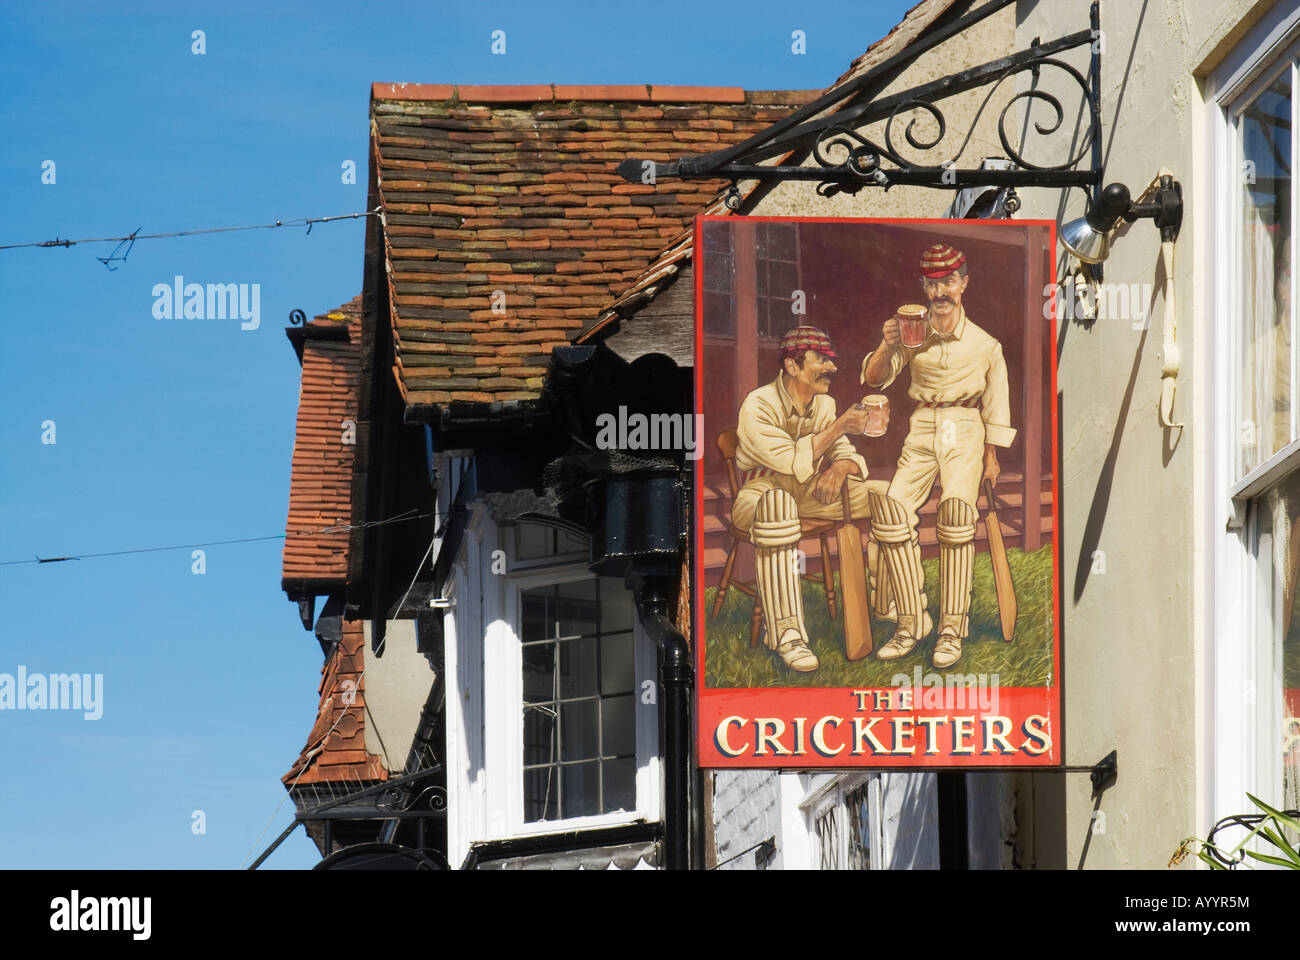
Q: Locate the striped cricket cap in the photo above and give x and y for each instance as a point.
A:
(941, 259)
(796, 341)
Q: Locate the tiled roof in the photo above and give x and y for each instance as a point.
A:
(336, 746)
(320, 486)
(661, 271)
(678, 253)
(514, 189)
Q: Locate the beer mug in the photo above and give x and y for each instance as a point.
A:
(877, 407)
(911, 319)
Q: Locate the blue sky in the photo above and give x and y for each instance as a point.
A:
(180, 431)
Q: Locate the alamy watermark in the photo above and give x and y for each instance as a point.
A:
(55, 691)
(950, 691)
(1076, 299)
(179, 300)
(75, 913)
(655, 431)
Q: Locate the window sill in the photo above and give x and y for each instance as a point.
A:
(536, 828)
(1267, 474)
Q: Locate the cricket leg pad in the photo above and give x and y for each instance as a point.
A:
(775, 535)
(892, 528)
(955, 528)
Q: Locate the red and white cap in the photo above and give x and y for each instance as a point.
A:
(796, 341)
(941, 259)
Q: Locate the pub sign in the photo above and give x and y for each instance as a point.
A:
(877, 550)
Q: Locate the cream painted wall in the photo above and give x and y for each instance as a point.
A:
(1128, 483)
(396, 687)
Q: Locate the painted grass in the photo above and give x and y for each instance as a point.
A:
(729, 661)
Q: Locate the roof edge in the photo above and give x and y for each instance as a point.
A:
(604, 93)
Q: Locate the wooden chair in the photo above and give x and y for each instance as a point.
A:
(727, 443)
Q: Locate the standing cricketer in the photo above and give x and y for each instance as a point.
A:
(963, 414)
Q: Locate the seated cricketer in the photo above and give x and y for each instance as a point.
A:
(793, 458)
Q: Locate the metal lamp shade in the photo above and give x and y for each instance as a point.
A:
(1085, 241)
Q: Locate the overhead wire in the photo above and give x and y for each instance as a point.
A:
(131, 238)
(399, 518)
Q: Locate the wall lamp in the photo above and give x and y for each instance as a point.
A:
(1088, 237)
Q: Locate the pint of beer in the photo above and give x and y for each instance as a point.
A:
(877, 406)
(911, 324)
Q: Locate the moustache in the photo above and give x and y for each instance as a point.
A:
(942, 300)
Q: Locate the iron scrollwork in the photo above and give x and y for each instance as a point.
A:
(855, 160)
(400, 800)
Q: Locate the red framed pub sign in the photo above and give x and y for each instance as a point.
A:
(877, 549)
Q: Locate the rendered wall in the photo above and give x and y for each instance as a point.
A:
(1129, 484)
(397, 685)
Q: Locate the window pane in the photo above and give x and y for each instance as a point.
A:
(539, 673)
(578, 610)
(620, 784)
(719, 315)
(719, 269)
(578, 668)
(532, 540)
(541, 794)
(1264, 133)
(828, 840)
(579, 730)
(1278, 550)
(776, 241)
(537, 607)
(718, 256)
(539, 735)
(782, 281)
(581, 789)
(618, 727)
(859, 807)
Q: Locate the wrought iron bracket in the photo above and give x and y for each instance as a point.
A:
(1103, 773)
(852, 133)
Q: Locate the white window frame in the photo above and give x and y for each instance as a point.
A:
(1239, 743)
(828, 796)
(485, 727)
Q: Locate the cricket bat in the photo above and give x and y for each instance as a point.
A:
(853, 586)
(1001, 569)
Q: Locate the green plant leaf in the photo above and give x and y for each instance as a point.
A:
(1277, 815)
(1276, 861)
(1285, 847)
(1214, 864)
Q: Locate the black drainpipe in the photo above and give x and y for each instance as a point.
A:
(676, 680)
(638, 530)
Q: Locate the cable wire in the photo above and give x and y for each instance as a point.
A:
(131, 238)
(400, 518)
